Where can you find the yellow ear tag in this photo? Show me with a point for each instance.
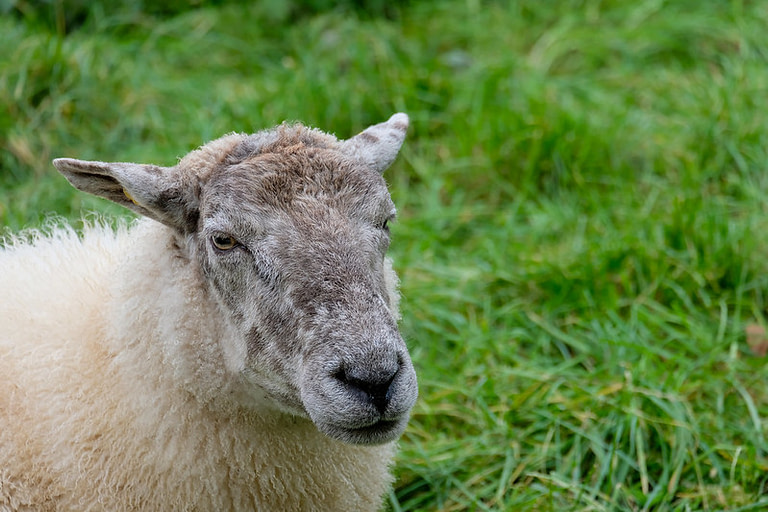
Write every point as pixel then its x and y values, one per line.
pixel 131 198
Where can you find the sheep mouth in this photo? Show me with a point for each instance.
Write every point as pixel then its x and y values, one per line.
pixel 381 432
pixel 380 427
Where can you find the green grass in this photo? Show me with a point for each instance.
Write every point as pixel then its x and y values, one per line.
pixel 583 224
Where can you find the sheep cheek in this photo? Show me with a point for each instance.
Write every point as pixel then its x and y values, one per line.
pixel 235 354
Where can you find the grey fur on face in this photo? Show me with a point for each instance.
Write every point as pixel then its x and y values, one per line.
pixel 289 230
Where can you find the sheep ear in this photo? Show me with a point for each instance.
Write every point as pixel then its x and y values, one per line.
pixel 149 190
pixel 377 146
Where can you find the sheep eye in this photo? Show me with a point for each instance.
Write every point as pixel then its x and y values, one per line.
pixel 385 224
pixel 223 242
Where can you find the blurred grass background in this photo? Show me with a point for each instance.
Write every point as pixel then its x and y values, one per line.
pixel 583 228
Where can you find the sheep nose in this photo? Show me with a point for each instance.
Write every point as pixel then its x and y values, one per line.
pixel 369 386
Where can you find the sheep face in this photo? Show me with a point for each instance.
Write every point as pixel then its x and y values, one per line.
pixel 289 230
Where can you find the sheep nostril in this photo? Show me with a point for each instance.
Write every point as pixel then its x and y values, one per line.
pixel 373 387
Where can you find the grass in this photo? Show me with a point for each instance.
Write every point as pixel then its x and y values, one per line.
pixel 583 222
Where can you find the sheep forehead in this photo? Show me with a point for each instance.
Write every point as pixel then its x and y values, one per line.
pixel 207 159
pixel 296 179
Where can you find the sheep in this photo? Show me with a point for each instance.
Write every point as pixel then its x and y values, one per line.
pixel 237 348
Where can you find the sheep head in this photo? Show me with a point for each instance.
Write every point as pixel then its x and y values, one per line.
pixel 289 229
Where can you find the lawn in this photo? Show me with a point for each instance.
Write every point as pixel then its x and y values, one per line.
pixel 583 212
